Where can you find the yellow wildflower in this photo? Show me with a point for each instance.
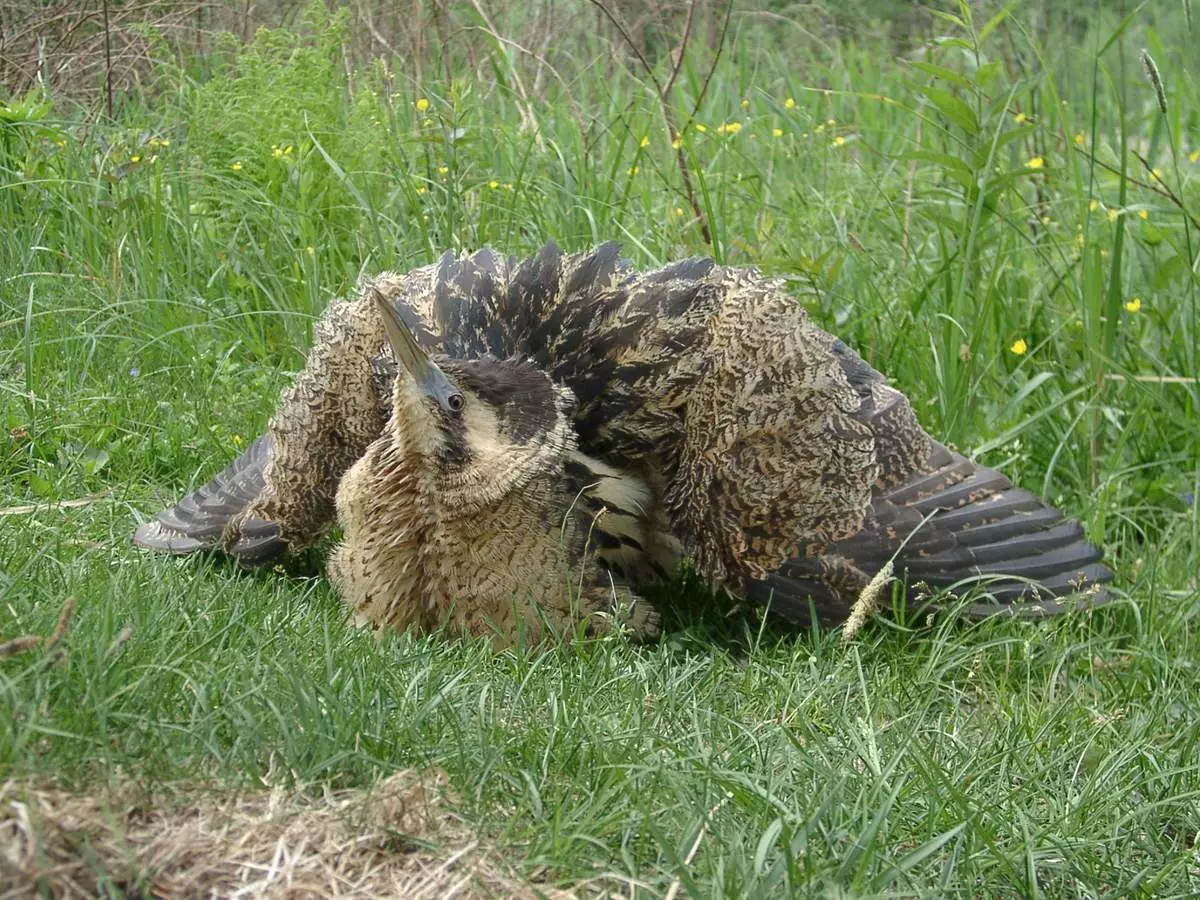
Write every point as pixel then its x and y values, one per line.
pixel 1157 173
pixel 1019 347
pixel 777 132
pixel 422 104
pixel 645 142
pixel 310 250
pixel 830 122
pixel 1113 214
pixel 633 170
pixel 1020 117
pixel 1134 305
pixel 1079 241
pixel 1079 139
pixel 679 210
pixel 1036 163
pixel 819 129
pixel 838 141
pixel 135 158
pixel 1094 205
pixel 443 170
pixel 276 151
pixel 1143 214
pixel 508 186
pixel 1194 156
pixel 676 144
pixel 493 184
pixel 745 104
pixel 789 103
pixel 701 128
pixel 236 166
pixel 1045 220
pixel 422 189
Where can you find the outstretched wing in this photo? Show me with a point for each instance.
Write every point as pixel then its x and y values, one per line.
pixel 954 526
pixel 945 523
pixel 199 520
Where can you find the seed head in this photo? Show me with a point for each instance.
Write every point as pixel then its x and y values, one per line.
pixel 1155 79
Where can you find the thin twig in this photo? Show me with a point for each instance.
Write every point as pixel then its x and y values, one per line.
pixel 1165 188
pixel 108 62
pixel 682 55
pixel 1152 379
pixel 61 504
pixel 908 191
pixel 1163 191
pixel 677 882
pixel 674 132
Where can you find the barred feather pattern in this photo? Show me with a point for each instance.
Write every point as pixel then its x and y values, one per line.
pixel 513 544
pixel 789 470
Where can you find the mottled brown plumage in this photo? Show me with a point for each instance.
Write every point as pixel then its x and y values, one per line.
pixel 787 467
pixel 474 511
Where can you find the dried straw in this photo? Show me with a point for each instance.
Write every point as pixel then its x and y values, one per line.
pixel 397 840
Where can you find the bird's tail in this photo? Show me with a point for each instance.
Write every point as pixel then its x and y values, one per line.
pixel 954 527
pixel 200 520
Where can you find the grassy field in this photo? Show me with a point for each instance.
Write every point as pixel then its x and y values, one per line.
pixel 972 213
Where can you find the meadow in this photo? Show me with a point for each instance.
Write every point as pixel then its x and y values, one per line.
pixel 1001 214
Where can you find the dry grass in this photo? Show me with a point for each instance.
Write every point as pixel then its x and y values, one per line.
pixel 399 839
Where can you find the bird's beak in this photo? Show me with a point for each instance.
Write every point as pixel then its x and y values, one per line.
pixel 430 379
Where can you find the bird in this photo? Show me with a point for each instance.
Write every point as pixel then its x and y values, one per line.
pixel 789 472
pixel 474 511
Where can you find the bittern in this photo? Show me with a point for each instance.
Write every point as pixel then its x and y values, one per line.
pixel 789 470
pixel 474 509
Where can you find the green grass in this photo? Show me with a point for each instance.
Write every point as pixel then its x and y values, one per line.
pixel 151 310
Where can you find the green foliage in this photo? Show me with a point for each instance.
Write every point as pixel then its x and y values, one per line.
pixel 970 214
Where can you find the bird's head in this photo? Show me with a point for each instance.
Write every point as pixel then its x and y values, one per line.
pixel 481 428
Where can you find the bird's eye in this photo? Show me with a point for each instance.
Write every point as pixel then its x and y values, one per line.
pixel 455 402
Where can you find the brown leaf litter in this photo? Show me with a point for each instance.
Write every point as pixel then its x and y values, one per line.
pixel 398 839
